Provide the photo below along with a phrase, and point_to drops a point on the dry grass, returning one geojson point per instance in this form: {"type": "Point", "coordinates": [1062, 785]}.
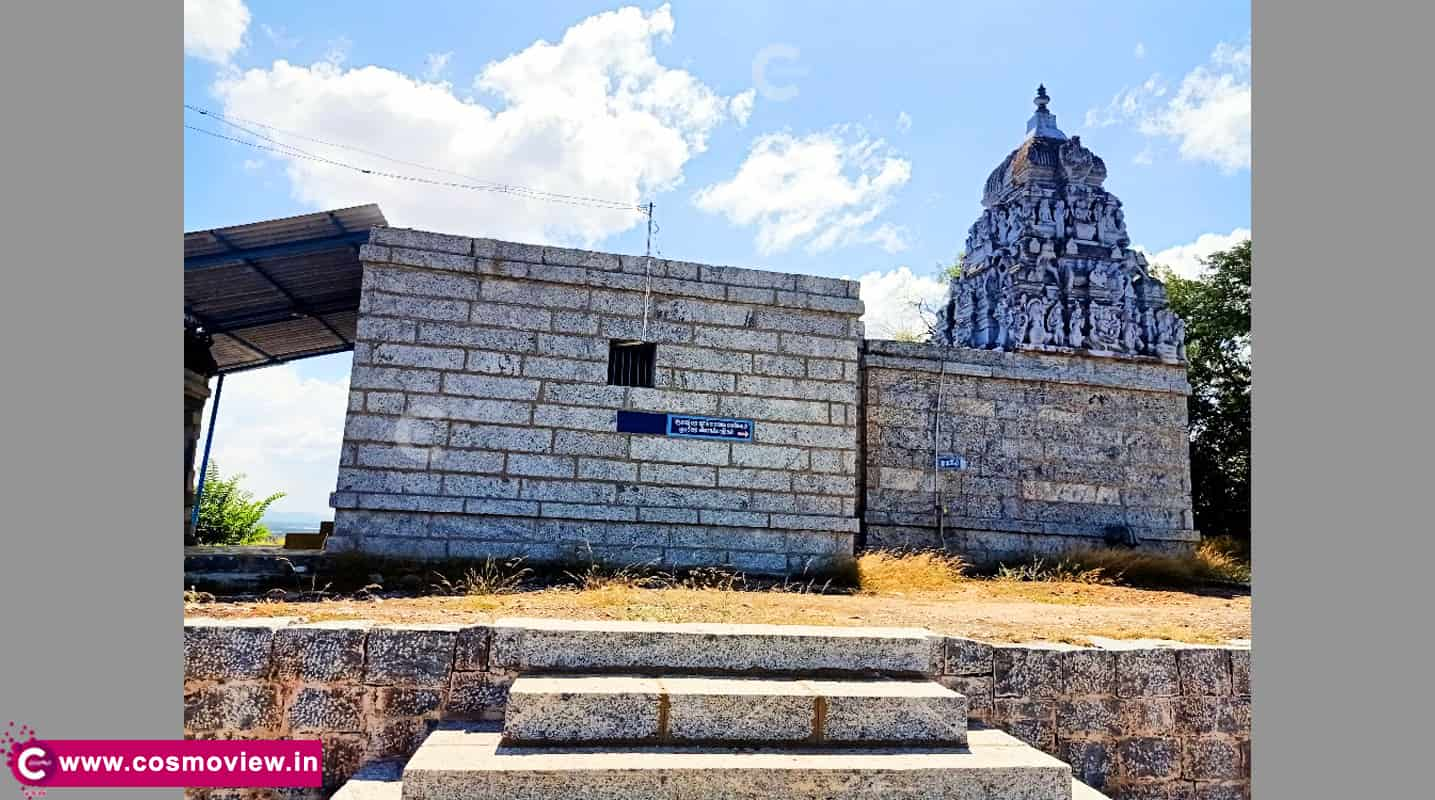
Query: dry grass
{"type": "Point", "coordinates": [886, 572]}
{"type": "Point", "coordinates": [1211, 562]}
{"type": "Point", "coordinates": [1070, 599]}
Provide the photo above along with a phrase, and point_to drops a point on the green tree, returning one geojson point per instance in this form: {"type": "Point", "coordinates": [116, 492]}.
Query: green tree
{"type": "Point", "coordinates": [1217, 309]}
{"type": "Point", "coordinates": [228, 513]}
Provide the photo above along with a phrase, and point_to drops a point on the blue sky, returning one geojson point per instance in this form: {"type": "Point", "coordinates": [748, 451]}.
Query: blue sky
{"type": "Point", "coordinates": [845, 139]}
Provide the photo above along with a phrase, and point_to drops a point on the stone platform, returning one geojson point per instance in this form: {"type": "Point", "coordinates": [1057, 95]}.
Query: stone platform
{"type": "Point", "coordinates": [473, 764]}
{"type": "Point", "coordinates": [650, 711]}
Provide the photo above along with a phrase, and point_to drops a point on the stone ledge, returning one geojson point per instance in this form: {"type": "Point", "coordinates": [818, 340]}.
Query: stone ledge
{"type": "Point", "coordinates": [571, 645]}
{"type": "Point", "coordinates": [632, 709]}
{"type": "Point", "coordinates": [471, 763]}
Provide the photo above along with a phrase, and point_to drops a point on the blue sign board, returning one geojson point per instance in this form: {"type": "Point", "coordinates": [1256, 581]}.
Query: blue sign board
{"type": "Point", "coordinates": [685, 426]}
{"type": "Point", "coordinates": [739, 430]}
{"type": "Point", "coordinates": [951, 461]}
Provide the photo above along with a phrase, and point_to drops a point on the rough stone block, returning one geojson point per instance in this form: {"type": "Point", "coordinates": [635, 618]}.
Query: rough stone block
{"type": "Point", "coordinates": [320, 652]}
{"type": "Point", "coordinates": [471, 648]}
{"type": "Point", "coordinates": [477, 695]}
{"type": "Point", "coordinates": [1213, 759]}
{"type": "Point", "coordinates": [229, 649]}
{"type": "Point", "coordinates": [681, 451]}
{"type": "Point", "coordinates": [1092, 762]}
{"type": "Point", "coordinates": [1204, 671]}
{"type": "Point", "coordinates": [1241, 672]}
{"type": "Point", "coordinates": [978, 691]}
{"type": "Point", "coordinates": [328, 709]}
{"type": "Point", "coordinates": [1088, 718]}
{"type": "Point", "coordinates": [414, 655]}
{"type": "Point", "coordinates": [233, 707]}
{"type": "Point", "coordinates": [1147, 673]}
{"type": "Point", "coordinates": [891, 711]}
{"type": "Point", "coordinates": [397, 738]}
{"type": "Point", "coordinates": [406, 701]}
{"type": "Point", "coordinates": [967, 657]}
{"type": "Point", "coordinates": [1090, 671]}
{"type": "Point", "coordinates": [1027, 671]}
{"type": "Point", "coordinates": [1149, 757]}
{"type": "Point", "coordinates": [582, 709]}
{"type": "Point", "coordinates": [344, 758]}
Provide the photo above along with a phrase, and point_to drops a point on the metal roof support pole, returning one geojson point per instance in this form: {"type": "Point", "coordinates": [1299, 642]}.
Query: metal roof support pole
{"type": "Point", "coordinates": [204, 460]}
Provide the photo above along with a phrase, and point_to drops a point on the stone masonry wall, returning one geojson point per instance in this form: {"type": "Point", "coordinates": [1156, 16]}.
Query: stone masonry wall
{"type": "Point", "coordinates": [481, 424]}
{"type": "Point", "coordinates": [1062, 451]}
{"type": "Point", "coordinates": [1137, 723]}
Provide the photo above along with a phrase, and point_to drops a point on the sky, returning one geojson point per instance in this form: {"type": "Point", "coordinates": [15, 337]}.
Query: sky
{"type": "Point", "coordinates": [835, 138]}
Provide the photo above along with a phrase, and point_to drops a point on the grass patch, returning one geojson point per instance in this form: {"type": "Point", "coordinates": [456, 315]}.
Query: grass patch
{"type": "Point", "coordinates": [887, 572]}
{"type": "Point", "coordinates": [1213, 561]}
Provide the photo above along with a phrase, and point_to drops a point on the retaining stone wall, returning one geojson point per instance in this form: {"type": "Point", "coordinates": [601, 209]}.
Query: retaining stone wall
{"type": "Point", "coordinates": [481, 424]}
{"type": "Point", "coordinates": [1062, 450]}
{"type": "Point", "coordinates": [1139, 723]}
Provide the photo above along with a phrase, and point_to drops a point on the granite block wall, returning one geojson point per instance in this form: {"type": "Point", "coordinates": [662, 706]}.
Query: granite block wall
{"type": "Point", "coordinates": [481, 422]}
{"type": "Point", "coordinates": [1136, 722]}
{"type": "Point", "coordinates": [1061, 451]}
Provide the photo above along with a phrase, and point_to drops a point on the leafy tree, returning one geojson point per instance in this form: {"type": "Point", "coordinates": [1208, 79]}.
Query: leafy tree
{"type": "Point", "coordinates": [228, 513]}
{"type": "Point", "coordinates": [1217, 310]}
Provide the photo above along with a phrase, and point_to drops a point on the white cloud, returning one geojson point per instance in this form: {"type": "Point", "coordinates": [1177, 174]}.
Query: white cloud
{"type": "Point", "coordinates": [1184, 259]}
{"type": "Point", "coordinates": [283, 432]}
{"type": "Point", "coordinates": [900, 302]}
{"type": "Point", "coordinates": [214, 29]}
{"type": "Point", "coordinates": [819, 191]}
{"type": "Point", "coordinates": [1144, 158]}
{"type": "Point", "coordinates": [594, 114]}
{"type": "Point", "coordinates": [741, 106]}
{"type": "Point", "coordinates": [252, 164]}
{"type": "Point", "coordinates": [1208, 115]}
{"type": "Point", "coordinates": [1140, 51]}
{"type": "Point", "coordinates": [904, 121]}
{"type": "Point", "coordinates": [435, 64]}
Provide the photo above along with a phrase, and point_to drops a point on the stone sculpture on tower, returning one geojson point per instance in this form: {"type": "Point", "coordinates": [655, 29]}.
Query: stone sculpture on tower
{"type": "Point", "coordinates": [1048, 265]}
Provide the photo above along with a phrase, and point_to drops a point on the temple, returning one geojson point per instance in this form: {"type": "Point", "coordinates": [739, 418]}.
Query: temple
{"type": "Point", "coordinates": [1049, 266]}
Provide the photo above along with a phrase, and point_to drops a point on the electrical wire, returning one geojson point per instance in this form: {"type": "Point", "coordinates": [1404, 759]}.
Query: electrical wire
{"type": "Point", "coordinates": [471, 182]}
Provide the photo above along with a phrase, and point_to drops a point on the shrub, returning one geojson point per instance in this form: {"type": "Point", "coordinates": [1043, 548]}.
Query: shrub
{"type": "Point", "coordinates": [883, 572]}
{"type": "Point", "coordinates": [228, 513]}
{"type": "Point", "coordinates": [1212, 561]}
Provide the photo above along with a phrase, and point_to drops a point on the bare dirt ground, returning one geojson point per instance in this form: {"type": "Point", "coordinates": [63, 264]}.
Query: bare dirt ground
{"type": "Point", "coordinates": [984, 609]}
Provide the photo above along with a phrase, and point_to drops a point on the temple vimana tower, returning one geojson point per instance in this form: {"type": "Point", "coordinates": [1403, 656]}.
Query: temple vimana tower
{"type": "Point", "coordinates": [1049, 264]}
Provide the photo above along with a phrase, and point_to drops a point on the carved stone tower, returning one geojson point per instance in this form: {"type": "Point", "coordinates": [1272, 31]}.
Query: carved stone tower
{"type": "Point", "coordinates": [1048, 264]}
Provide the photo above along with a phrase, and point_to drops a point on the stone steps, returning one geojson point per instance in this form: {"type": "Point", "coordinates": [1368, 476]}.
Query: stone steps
{"type": "Point", "coordinates": [612, 709]}
{"type": "Point", "coordinates": [473, 764]}
{"type": "Point", "coordinates": [652, 648]}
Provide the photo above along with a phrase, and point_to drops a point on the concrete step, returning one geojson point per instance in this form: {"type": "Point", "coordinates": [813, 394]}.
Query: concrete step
{"type": "Point", "coordinates": [547, 645]}
{"type": "Point", "coordinates": [611, 709]}
{"type": "Point", "coordinates": [472, 764]}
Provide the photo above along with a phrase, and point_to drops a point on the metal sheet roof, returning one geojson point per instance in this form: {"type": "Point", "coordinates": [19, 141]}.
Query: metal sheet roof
{"type": "Point", "coordinates": [278, 290]}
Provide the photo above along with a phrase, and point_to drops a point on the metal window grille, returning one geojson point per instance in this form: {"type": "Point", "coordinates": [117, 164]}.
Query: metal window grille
{"type": "Point", "coordinates": [630, 363]}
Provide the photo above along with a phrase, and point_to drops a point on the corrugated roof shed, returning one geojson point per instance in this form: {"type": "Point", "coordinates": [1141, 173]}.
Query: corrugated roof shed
{"type": "Point", "coordinates": [278, 290]}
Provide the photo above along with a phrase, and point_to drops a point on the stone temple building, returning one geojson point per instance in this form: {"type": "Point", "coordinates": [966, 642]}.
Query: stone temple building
{"type": "Point", "coordinates": [517, 400]}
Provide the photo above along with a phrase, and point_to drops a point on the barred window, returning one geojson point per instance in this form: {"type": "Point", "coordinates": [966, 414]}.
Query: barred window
{"type": "Point", "coordinates": [630, 363]}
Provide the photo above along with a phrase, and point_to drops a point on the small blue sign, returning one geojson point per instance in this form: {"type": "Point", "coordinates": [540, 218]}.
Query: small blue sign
{"type": "Point", "coordinates": [691, 427]}
{"type": "Point", "coordinates": [951, 461]}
